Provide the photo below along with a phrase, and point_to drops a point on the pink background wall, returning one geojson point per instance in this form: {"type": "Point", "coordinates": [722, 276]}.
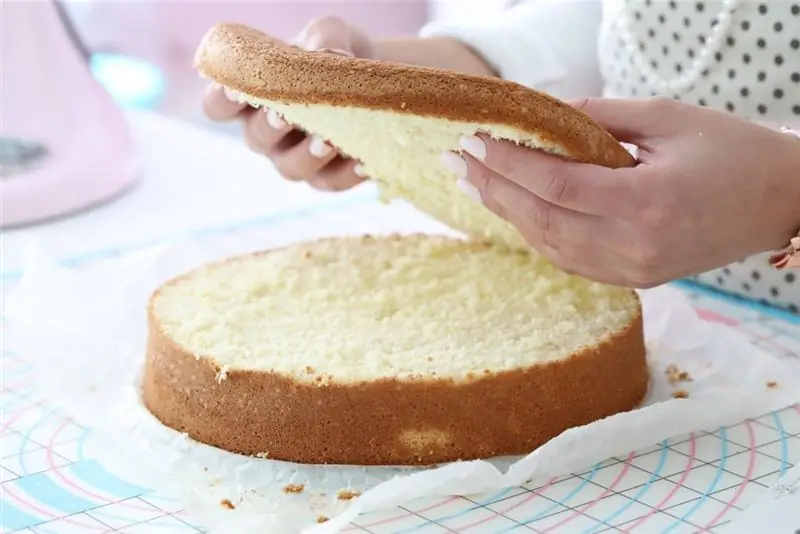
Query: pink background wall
{"type": "Point", "coordinates": [155, 30]}
{"type": "Point", "coordinates": [167, 32]}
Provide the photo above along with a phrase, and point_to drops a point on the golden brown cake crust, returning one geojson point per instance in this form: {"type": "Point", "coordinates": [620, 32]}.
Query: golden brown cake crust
{"type": "Point", "coordinates": [255, 64]}
{"type": "Point", "coordinates": [390, 422]}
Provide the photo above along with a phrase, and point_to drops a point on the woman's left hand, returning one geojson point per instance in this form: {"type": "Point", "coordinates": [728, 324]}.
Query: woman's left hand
{"type": "Point", "coordinates": [709, 189]}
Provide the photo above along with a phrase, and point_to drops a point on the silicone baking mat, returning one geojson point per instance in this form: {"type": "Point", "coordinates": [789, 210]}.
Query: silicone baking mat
{"type": "Point", "coordinates": [53, 484]}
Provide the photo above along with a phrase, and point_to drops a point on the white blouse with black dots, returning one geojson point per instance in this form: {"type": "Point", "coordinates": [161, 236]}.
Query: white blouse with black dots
{"type": "Point", "coordinates": [736, 55]}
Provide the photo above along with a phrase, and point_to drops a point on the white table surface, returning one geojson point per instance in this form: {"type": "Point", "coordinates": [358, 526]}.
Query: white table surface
{"type": "Point", "coordinates": [193, 178]}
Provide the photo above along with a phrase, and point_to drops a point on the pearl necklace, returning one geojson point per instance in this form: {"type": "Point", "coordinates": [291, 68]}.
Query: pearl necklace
{"type": "Point", "coordinates": [701, 61]}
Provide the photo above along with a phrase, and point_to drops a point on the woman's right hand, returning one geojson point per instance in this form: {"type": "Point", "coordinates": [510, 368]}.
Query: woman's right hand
{"type": "Point", "coordinates": [296, 155]}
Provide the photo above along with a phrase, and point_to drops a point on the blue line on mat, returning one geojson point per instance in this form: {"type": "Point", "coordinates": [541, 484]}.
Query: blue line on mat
{"type": "Point", "coordinates": [91, 472]}
{"type": "Point", "coordinates": [13, 518]}
{"type": "Point", "coordinates": [45, 490]}
{"type": "Point", "coordinates": [739, 301]}
{"type": "Point", "coordinates": [240, 225]}
{"type": "Point", "coordinates": [784, 442]}
{"type": "Point", "coordinates": [562, 502]}
{"type": "Point", "coordinates": [711, 488]}
{"type": "Point", "coordinates": [481, 504]}
{"type": "Point", "coordinates": [655, 475]}
{"type": "Point", "coordinates": [26, 437]}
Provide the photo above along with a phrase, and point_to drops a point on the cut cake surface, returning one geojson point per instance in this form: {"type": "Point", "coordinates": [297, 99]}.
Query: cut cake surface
{"type": "Point", "coordinates": [391, 351]}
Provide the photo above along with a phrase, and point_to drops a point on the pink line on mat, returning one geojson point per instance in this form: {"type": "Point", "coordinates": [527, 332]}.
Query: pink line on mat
{"type": "Point", "coordinates": [418, 512]}
{"type": "Point", "coordinates": [751, 464]}
{"type": "Point", "coordinates": [587, 506]}
{"type": "Point", "coordinates": [44, 513]}
{"type": "Point", "coordinates": [17, 416]}
{"type": "Point", "coordinates": [16, 386]}
{"type": "Point", "coordinates": [526, 500]}
{"type": "Point", "coordinates": [714, 317]}
{"type": "Point", "coordinates": [658, 507]}
{"type": "Point", "coordinates": [70, 484]}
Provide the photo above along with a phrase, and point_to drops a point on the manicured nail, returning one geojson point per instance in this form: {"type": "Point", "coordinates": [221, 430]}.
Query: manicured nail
{"type": "Point", "coordinates": [455, 163]}
{"type": "Point", "coordinates": [337, 51]}
{"type": "Point", "coordinates": [230, 94]}
{"type": "Point", "coordinates": [474, 146]}
{"type": "Point", "coordinates": [469, 190]}
{"type": "Point", "coordinates": [275, 120]}
{"type": "Point", "coordinates": [360, 171]}
{"type": "Point", "coordinates": [319, 148]}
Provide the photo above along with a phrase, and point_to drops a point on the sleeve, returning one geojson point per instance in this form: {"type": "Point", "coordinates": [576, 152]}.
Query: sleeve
{"type": "Point", "coordinates": [549, 45]}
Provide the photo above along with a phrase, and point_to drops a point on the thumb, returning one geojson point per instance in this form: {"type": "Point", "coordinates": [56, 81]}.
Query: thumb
{"type": "Point", "coordinates": [330, 34]}
{"type": "Point", "coordinates": [631, 120]}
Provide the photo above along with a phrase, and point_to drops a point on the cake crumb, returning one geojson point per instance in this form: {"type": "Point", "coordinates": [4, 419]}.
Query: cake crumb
{"type": "Point", "coordinates": [675, 375]}
{"type": "Point", "coordinates": [226, 503]}
{"type": "Point", "coordinates": [772, 384]}
{"type": "Point", "coordinates": [681, 394]}
{"type": "Point", "coordinates": [322, 519]}
{"type": "Point", "coordinates": [294, 488]}
{"type": "Point", "coordinates": [222, 374]}
{"type": "Point", "coordinates": [348, 495]}
{"type": "Point", "coordinates": [308, 254]}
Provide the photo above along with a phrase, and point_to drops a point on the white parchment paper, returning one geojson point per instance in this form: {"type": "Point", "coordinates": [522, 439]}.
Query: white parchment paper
{"type": "Point", "coordinates": [83, 328]}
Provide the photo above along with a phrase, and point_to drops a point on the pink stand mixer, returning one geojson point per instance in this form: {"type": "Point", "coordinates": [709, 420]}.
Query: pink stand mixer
{"type": "Point", "coordinates": [64, 143]}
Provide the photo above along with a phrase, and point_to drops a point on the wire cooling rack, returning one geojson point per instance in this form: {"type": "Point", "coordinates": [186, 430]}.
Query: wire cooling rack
{"type": "Point", "coordinates": [52, 483]}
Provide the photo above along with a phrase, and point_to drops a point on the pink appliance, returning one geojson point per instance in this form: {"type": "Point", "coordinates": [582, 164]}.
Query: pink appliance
{"type": "Point", "coordinates": [64, 143]}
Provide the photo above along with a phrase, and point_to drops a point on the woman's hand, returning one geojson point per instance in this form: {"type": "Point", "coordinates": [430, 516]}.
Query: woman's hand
{"type": "Point", "coordinates": [710, 189]}
{"type": "Point", "coordinates": [297, 156]}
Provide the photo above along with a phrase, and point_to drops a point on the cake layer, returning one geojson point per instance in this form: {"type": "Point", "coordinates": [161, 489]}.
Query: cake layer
{"type": "Point", "coordinates": [397, 119]}
{"type": "Point", "coordinates": [390, 350]}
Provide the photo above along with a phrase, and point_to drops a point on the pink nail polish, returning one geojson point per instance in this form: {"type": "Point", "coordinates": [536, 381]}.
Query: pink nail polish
{"type": "Point", "coordinates": [230, 94]}
{"type": "Point", "coordinates": [455, 163]}
{"type": "Point", "coordinates": [319, 148]}
{"type": "Point", "coordinates": [275, 120]}
{"type": "Point", "coordinates": [469, 190]}
{"type": "Point", "coordinates": [474, 146]}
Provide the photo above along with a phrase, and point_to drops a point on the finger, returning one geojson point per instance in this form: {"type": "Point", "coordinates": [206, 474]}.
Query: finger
{"type": "Point", "coordinates": [589, 258]}
{"type": "Point", "coordinates": [327, 33]}
{"type": "Point", "coordinates": [265, 131]}
{"type": "Point", "coordinates": [589, 189]}
{"type": "Point", "coordinates": [553, 225]}
{"type": "Point", "coordinates": [305, 159]}
{"type": "Point", "coordinates": [638, 121]}
{"type": "Point", "coordinates": [218, 106]}
{"type": "Point", "coordinates": [339, 175]}
{"type": "Point", "coordinates": [588, 255]}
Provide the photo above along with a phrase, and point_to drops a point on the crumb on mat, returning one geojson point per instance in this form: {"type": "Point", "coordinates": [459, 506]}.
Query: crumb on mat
{"type": "Point", "coordinates": [675, 375]}
{"type": "Point", "coordinates": [322, 519]}
{"type": "Point", "coordinates": [348, 495]}
{"type": "Point", "coordinates": [772, 384]}
{"type": "Point", "coordinates": [294, 488]}
{"type": "Point", "coordinates": [681, 394]}
{"type": "Point", "coordinates": [226, 503]}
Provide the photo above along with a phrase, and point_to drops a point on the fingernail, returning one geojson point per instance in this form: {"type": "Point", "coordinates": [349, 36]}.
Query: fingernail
{"type": "Point", "coordinates": [455, 163]}
{"type": "Point", "coordinates": [318, 147]}
{"type": "Point", "coordinates": [474, 146]}
{"type": "Point", "coordinates": [360, 171]}
{"type": "Point", "coordinates": [275, 120]}
{"type": "Point", "coordinates": [337, 51]}
{"type": "Point", "coordinates": [230, 94]}
{"type": "Point", "coordinates": [469, 190]}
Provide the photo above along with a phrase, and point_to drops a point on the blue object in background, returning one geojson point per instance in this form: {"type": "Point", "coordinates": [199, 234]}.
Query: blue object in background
{"type": "Point", "coordinates": [134, 83]}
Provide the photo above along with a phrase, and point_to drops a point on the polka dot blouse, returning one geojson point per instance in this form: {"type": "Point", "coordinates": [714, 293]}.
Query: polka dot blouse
{"type": "Point", "coordinates": [734, 55]}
